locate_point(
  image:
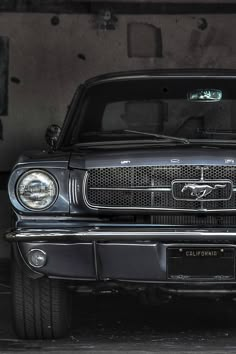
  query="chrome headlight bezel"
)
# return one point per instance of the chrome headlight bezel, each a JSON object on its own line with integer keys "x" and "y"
{"x": 27, "y": 173}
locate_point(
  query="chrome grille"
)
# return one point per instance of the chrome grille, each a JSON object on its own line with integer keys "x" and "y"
{"x": 140, "y": 176}
{"x": 147, "y": 187}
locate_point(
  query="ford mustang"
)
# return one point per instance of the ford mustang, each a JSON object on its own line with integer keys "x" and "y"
{"x": 137, "y": 191}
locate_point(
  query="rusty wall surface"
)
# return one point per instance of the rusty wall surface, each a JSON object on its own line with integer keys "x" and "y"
{"x": 51, "y": 55}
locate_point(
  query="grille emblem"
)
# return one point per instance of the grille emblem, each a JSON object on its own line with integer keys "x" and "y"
{"x": 201, "y": 191}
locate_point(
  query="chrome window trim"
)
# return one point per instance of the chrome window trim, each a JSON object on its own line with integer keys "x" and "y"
{"x": 161, "y": 76}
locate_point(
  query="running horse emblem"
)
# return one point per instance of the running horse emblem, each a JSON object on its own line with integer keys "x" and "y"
{"x": 201, "y": 190}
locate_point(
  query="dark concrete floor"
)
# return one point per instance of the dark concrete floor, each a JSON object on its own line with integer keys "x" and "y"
{"x": 112, "y": 324}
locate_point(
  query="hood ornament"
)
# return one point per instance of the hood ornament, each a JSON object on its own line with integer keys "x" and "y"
{"x": 199, "y": 191}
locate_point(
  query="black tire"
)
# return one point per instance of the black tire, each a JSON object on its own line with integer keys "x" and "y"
{"x": 40, "y": 306}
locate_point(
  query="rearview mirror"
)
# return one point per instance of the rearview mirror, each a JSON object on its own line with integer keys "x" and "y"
{"x": 205, "y": 95}
{"x": 52, "y": 134}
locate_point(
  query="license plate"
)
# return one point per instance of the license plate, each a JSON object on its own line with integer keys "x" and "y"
{"x": 200, "y": 263}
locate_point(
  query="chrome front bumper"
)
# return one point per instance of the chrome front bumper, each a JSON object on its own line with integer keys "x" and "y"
{"x": 116, "y": 254}
{"x": 123, "y": 234}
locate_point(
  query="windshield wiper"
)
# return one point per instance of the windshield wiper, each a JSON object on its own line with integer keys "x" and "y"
{"x": 159, "y": 136}
{"x": 216, "y": 132}
{"x": 115, "y": 133}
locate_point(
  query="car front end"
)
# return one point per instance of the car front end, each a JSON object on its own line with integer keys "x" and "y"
{"x": 119, "y": 207}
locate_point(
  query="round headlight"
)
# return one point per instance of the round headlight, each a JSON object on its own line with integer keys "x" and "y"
{"x": 37, "y": 190}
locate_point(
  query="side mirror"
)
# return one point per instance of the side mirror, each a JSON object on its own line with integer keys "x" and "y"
{"x": 52, "y": 134}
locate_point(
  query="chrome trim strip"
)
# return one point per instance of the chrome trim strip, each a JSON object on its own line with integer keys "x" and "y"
{"x": 42, "y": 164}
{"x": 134, "y": 189}
{"x": 154, "y": 77}
{"x": 70, "y": 191}
{"x": 199, "y": 291}
{"x": 58, "y": 217}
{"x": 73, "y": 191}
{"x": 153, "y": 244}
{"x": 76, "y": 191}
{"x": 50, "y": 234}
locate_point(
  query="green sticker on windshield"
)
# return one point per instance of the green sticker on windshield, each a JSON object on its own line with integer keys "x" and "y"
{"x": 205, "y": 95}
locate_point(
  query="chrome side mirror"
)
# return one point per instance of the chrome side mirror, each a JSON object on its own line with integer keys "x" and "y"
{"x": 52, "y": 134}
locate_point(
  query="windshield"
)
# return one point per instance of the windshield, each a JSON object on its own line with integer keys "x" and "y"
{"x": 191, "y": 108}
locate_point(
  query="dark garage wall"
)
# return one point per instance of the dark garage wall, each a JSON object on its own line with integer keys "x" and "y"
{"x": 50, "y": 56}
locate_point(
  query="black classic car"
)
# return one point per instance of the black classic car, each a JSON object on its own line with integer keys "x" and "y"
{"x": 136, "y": 193}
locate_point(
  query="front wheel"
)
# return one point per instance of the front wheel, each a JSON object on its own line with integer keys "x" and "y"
{"x": 40, "y": 306}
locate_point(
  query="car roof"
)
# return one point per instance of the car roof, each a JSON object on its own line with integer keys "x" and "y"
{"x": 141, "y": 74}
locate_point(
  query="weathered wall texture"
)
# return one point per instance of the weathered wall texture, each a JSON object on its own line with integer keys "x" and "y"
{"x": 48, "y": 61}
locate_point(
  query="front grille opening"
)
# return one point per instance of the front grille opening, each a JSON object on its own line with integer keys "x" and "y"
{"x": 175, "y": 220}
{"x": 194, "y": 220}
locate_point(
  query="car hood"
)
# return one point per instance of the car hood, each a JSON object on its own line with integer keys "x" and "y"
{"x": 44, "y": 158}
{"x": 157, "y": 156}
